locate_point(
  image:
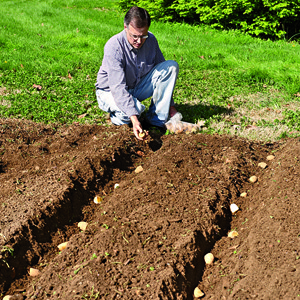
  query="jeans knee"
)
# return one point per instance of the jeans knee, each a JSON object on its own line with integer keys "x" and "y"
{"x": 119, "y": 118}
{"x": 173, "y": 65}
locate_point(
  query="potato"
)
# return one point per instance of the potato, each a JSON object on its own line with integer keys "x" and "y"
{"x": 198, "y": 293}
{"x": 190, "y": 127}
{"x": 184, "y": 126}
{"x": 142, "y": 134}
{"x": 233, "y": 234}
{"x": 253, "y": 179}
{"x": 234, "y": 208}
{"x": 139, "y": 169}
{"x": 170, "y": 127}
{"x": 97, "y": 199}
{"x": 82, "y": 225}
{"x": 62, "y": 246}
{"x": 270, "y": 157}
{"x": 13, "y": 297}
{"x": 178, "y": 131}
{"x": 34, "y": 272}
{"x": 209, "y": 258}
{"x": 263, "y": 165}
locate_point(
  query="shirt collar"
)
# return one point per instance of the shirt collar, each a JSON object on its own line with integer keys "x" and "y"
{"x": 126, "y": 41}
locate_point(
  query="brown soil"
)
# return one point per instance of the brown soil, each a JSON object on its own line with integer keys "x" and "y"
{"x": 148, "y": 237}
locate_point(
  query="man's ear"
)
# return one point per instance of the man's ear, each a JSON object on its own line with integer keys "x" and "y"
{"x": 125, "y": 26}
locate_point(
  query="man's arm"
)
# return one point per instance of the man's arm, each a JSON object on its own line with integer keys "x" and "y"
{"x": 117, "y": 73}
{"x": 122, "y": 97}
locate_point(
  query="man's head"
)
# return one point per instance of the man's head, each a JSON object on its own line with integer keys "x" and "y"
{"x": 136, "y": 23}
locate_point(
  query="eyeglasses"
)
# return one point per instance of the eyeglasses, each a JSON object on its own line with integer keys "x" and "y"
{"x": 136, "y": 37}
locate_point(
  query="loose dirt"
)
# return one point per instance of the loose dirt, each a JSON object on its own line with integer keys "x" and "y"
{"x": 148, "y": 237}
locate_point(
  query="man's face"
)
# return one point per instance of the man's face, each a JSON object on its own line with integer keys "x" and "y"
{"x": 136, "y": 36}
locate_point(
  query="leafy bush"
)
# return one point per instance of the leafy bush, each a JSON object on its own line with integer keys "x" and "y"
{"x": 261, "y": 18}
{"x": 158, "y": 9}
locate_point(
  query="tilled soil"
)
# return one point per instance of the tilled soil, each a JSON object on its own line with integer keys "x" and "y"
{"x": 148, "y": 236}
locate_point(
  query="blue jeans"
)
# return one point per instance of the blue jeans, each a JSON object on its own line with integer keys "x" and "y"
{"x": 158, "y": 83}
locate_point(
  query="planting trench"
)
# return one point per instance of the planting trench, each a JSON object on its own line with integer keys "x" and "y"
{"x": 147, "y": 238}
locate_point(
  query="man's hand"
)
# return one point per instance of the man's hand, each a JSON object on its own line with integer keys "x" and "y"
{"x": 137, "y": 128}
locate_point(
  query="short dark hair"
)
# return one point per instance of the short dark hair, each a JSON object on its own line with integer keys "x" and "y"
{"x": 139, "y": 16}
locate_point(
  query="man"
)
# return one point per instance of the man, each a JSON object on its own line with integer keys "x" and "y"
{"x": 134, "y": 69}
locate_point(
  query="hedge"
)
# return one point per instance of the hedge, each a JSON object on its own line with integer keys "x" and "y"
{"x": 274, "y": 19}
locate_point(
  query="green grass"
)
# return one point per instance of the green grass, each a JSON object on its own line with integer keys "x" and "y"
{"x": 237, "y": 84}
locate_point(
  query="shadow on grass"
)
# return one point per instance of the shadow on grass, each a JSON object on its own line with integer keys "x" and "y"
{"x": 194, "y": 112}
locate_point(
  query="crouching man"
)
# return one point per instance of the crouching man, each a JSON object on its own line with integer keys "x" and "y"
{"x": 134, "y": 69}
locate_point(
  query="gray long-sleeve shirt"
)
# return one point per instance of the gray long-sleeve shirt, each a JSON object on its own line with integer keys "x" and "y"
{"x": 123, "y": 67}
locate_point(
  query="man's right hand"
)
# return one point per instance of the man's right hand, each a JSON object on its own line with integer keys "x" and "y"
{"x": 137, "y": 128}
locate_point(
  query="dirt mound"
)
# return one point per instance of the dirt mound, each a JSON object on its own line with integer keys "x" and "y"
{"x": 148, "y": 236}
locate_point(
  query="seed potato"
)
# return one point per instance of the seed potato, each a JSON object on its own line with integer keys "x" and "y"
{"x": 263, "y": 165}
{"x": 233, "y": 234}
{"x": 62, "y": 246}
{"x": 14, "y": 297}
{"x": 34, "y": 272}
{"x": 253, "y": 179}
{"x": 198, "y": 293}
{"x": 82, "y": 225}
{"x": 234, "y": 208}
{"x": 142, "y": 134}
{"x": 139, "y": 169}
{"x": 209, "y": 258}
{"x": 97, "y": 199}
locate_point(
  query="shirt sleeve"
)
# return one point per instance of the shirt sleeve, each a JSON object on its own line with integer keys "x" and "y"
{"x": 117, "y": 81}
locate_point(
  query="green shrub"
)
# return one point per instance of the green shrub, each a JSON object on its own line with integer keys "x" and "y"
{"x": 158, "y": 9}
{"x": 262, "y": 18}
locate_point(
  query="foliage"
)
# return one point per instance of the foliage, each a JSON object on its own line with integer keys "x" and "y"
{"x": 262, "y": 18}
{"x": 159, "y": 9}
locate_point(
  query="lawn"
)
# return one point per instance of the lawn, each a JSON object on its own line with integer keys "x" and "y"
{"x": 51, "y": 52}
